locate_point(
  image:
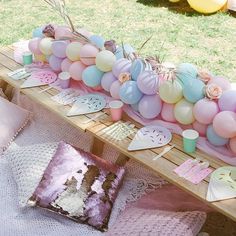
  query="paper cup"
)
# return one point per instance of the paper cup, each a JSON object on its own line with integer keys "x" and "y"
{"x": 64, "y": 78}
{"x": 27, "y": 58}
{"x": 116, "y": 109}
{"x": 190, "y": 137}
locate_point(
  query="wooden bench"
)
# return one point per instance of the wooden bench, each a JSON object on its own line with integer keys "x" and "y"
{"x": 163, "y": 166}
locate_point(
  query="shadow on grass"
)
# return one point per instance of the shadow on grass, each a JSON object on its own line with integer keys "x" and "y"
{"x": 181, "y": 7}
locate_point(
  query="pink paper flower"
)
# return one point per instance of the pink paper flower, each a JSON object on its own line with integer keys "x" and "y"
{"x": 213, "y": 91}
{"x": 204, "y": 76}
{"x": 123, "y": 77}
{"x": 49, "y": 31}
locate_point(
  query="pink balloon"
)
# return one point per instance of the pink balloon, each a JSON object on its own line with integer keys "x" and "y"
{"x": 62, "y": 32}
{"x": 107, "y": 80}
{"x": 88, "y": 54}
{"x": 232, "y": 144}
{"x": 120, "y": 66}
{"x": 34, "y": 45}
{"x": 65, "y": 65}
{"x": 227, "y": 101}
{"x": 150, "y": 106}
{"x": 167, "y": 112}
{"x": 76, "y": 69}
{"x": 115, "y": 89}
{"x": 59, "y": 48}
{"x": 224, "y": 124}
{"x": 55, "y": 63}
{"x": 200, "y": 128}
{"x": 205, "y": 110}
{"x": 222, "y": 82}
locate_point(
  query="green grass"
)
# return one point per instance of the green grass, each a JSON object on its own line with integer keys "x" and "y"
{"x": 178, "y": 33}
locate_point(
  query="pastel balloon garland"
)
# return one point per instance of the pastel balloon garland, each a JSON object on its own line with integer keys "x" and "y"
{"x": 181, "y": 95}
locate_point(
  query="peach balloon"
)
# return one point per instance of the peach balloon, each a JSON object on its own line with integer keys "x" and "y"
{"x": 88, "y": 54}
{"x": 76, "y": 69}
{"x": 224, "y": 124}
{"x": 221, "y": 81}
{"x": 167, "y": 112}
{"x": 62, "y": 32}
{"x": 232, "y": 144}
{"x": 65, "y": 65}
{"x": 200, "y": 128}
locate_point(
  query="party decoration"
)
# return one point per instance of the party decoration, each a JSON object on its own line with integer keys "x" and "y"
{"x": 105, "y": 60}
{"x": 34, "y": 45}
{"x": 213, "y": 91}
{"x": 150, "y": 106}
{"x": 121, "y": 65}
{"x": 184, "y": 112}
{"x": 138, "y": 66}
{"x": 124, "y": 76}
{"x": 200, "y": 128}
{"x": 97, "y": 40}
{"x": 205, "y": 110}
{"x": 55, "y": 63}
{"x": 45, "y": 46}
{"x": 232, "y": 144}
{"x": 148, "y": 82}
{"x": 65, "y": 65}
{"x": 38, "y": 32}
{"x": 87, "y": 104}
{"x": 204, "y": 76}
{"x": 227, "y": 101}
{"x": 186, "y": 72}
{"x": 88, "y": 54}
{"x": 92, "y": 76}
{"x": 115, "y": 89}
{"x": 120, "y": 52}
{"x": 193, "y": 90}
{"x": 107, "y": 80}
{"x": 150, "y": 137}
{"x": 167, "y": 112}
{"x": 214, "y": 138}
{"x": 40, "y": 58}
{"x": 49, "y": 31}
{"x": 129, "y": 92}
{"x": 76, "y": 69}
{"x": 224, "y": 124}
{"x": 110, "y": 45}
{"x": 59, "y": 48}
{"x": 171, "y": 91}
{"x": 63, "y": 32}
{"x": 222, "y": 184}
{"x": 73, "y": 51}
{"x": 207, "y": 7}
{"x": 221, "y": 81}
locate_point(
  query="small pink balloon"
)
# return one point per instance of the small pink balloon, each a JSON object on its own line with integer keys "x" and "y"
{"x": 232, "y": 144}
{"x": 34, "y": 45}
{"x": 115, "y": 89}
{"x": 120, "y": 66}
{"x": 221, "y": 81}
{"x": 55, "y": 63}
{"x": 167, "y": 112}
{"x": 76, "y": 69}
{"x": 88, "y": 54}
{"x": 59, "y": 48}
{"x": 65, "y": 65}
{"x": 224, "y": 124}
{"x": 200, "y": 128}
{"x": 227, "y": 101}
{"x": 107, "y": 80}
{"x": 205, "y": 110}
{"x": 62, "y": 32}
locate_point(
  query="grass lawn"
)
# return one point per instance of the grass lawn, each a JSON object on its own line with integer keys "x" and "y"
{"x": 178, "y": 33}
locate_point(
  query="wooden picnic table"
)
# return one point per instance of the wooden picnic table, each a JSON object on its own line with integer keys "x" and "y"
{"x": 163, "y": 166}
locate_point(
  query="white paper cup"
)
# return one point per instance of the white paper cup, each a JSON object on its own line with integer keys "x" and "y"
{"x": 64, "y": 78}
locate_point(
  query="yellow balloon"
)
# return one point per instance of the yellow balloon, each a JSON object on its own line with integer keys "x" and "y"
{"x": 105, "y": 60}
{"x": 40, "y": 57}
{"x": 72, "y": 51}
{"x": 184, "y": 112}
{"x": 45, "y": 46}
{"x": 207, "y": 6}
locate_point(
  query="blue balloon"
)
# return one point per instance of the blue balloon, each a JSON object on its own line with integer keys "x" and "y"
{"x": 129, "y": 92}
{"x": 193, "y": 90}
{"x": 97, "y": 40}
{"x": 119, "y": 53}
{"x": 92, "y": 76}
{"x": 138, "y": 66}
{"x": 186, "y": 72}
{"x": 214, "y": 138}
{"x": 38, "y": 32}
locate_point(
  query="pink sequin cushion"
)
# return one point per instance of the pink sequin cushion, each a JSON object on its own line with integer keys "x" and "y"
{"x": 12, "y": 120}
{"x": 80, "y": 186}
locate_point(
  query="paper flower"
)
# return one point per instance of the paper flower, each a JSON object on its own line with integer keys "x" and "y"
{"x": 204, "y": 76}
{"x": 213, "y": 91}
{"x": 123, "y": 77}
{"x": 110, "y": 45}
{"x": 49, "y": 31}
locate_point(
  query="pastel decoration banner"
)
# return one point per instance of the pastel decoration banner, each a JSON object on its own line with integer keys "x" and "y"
{"x": 87, "y": 104}
{"x": 150, "y": 137}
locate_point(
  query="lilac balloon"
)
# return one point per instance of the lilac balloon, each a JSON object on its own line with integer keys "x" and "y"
{"x": 150, "y": 106}
{"x": 121, "y": 65}
{"x": 227, "y": 101}
{"x": 59, "y": 48}
{"x": 148, "y": 82}
{"x": 115, "y": 89}
{"x": 55, "y": 63}
{"x": 107, "y": 80}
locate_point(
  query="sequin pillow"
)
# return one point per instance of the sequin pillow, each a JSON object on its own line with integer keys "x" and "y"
{"x": 80, "y": 186}
{"x": 12, "y": 120}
